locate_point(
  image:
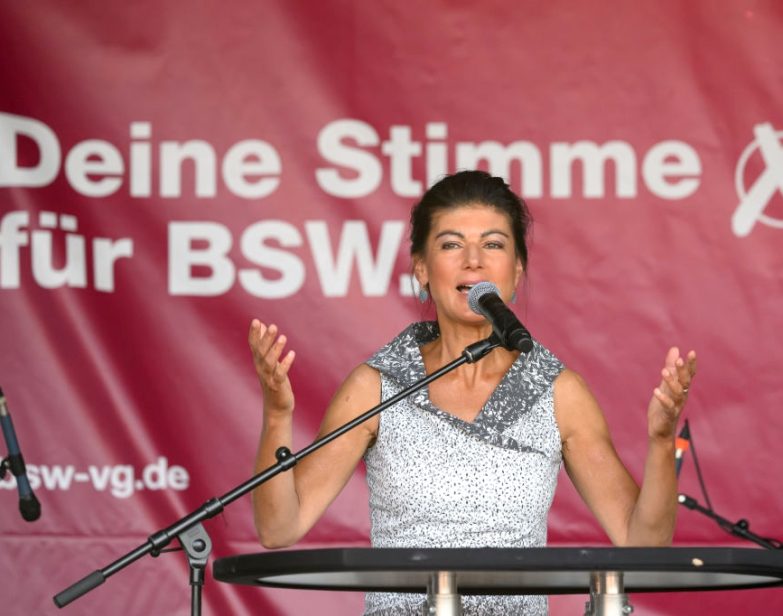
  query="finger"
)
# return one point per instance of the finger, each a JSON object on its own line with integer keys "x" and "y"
{"x": 671, "y": 385}
{"x": 262, "y": 343}
{"x": 683, "y": 375}
{"x": 266, "y": 339}
{"x": 282, "y": 367}
{"x": 686, "y": 370}
{"x": 270, "y": 359}
{"x": 666, "y": 401}
{"x": 276, "y": 350}
{"x": 256, "y": 334}
{"x": 257, "y": 330}
{"x": 691, "y": 360}
{"x": 671, "y": 358}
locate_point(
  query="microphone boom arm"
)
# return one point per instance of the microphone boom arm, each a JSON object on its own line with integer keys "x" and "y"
{"x": 285, "y": 461}
{"x": 741, "y": 528}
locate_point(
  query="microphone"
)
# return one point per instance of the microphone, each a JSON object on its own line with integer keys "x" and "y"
{"x": 29, "y": 506}
{"x": 682, "y": 444}
{"x": 484, "y": 299}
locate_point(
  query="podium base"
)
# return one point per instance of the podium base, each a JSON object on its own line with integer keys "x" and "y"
{"x": 607, "y": 595}
{"x": 442, "y": 596}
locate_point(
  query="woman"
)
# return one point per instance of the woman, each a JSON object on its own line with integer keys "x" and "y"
{"x": 472, "y": 461}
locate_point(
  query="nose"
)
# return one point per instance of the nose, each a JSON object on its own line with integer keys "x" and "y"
{"x": 472, "y": 257}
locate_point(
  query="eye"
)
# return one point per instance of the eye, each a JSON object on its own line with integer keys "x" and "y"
{"x": 495, "y": 245}
{"x": 449, "y": 245}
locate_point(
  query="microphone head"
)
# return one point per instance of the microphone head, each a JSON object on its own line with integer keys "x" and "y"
{"x": 30, "y": 508}
{"x": 478, "y": 290}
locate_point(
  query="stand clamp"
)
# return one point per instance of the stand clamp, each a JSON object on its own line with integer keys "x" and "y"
{"x": 607, "y": 595}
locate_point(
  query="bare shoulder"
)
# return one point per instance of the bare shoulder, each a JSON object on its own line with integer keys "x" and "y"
{"x": 569, "y": 382}
{"x": 364, "y": 376}
{"x": 359, "y": 392}
{"x": 361, "y": 386}
{"x": 570, "y": 390}
{"x": 576, "y": 408}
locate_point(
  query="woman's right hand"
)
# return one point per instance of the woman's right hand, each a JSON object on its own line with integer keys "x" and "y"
{"x": 267, "y": 347}
{"x": 288, "y": 505}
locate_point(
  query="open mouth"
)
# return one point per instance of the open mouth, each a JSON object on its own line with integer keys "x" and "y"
{"x": 465, "y": 288}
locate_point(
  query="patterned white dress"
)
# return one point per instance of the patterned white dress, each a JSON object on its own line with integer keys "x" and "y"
{"x": 437, "y": 481}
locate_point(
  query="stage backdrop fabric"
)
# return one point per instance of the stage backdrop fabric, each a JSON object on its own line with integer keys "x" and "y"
{"x": 168, "y": 171}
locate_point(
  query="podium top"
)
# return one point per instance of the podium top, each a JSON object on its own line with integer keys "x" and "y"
{"x": 506, "y": 570}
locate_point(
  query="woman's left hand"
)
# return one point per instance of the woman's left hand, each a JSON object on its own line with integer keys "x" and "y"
{"x": 670, "y": 396}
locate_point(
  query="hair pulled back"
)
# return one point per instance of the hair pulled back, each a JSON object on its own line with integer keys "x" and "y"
{"x": 470, "y": 188}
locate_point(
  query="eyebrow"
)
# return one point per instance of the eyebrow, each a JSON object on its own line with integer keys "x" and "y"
{"x": 462, "y": 235}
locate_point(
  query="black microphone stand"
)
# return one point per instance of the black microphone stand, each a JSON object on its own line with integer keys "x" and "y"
{"x": 189, "y": 530}
{"x": 740, "y": 528}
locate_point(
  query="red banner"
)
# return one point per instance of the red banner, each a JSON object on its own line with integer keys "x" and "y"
{"x": 167, "y": 173}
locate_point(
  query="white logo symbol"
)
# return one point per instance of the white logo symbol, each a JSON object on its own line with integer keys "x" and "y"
{"x": 754, "y": 200}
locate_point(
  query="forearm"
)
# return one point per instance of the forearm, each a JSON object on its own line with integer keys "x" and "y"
{"x": 653, "y": 517}
{"x": 276, "y": 504}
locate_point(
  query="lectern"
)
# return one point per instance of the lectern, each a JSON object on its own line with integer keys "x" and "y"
{"x": 607, "y": 574}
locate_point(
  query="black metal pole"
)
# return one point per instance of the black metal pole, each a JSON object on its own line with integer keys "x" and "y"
{"x": 286, "y": 460}
{"x": 741, "y": 528}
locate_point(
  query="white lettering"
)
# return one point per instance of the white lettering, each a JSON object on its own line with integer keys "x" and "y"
{"x": 72, "y": 274}
{"x": 99, "y": 476}
{"x": 154, "y": 475}
{"x": 55, "y": 477}
{"x": 367, "y": 169}
{"x": 593, "y": 158}
{"x": 11, "y": 173}
{"x": 437, "y": 155}
{"x": 354, "y": 246}
{"x": 499, "y": 159}
{"x": 94, "y": 157}
{"x": 120, "y": 480}
{"x": 122, "y": 483}
{"x": 672, "y": 159}
{"x": 11, "y": 239}
{"x": 173, "y": 154}
{"x": 105, "y": 254}
{"x": 251, "y": 158}
{"x": 178, "y": 477}
{"x": 400, "y": 150}
{"x": 353, "y": 151}
{"x": 140, "y": 160}
{"x": 183, "y": 257}
{"x": 255, "y": 250}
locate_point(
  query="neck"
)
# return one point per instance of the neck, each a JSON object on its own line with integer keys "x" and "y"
{"x": 452, "y": 341}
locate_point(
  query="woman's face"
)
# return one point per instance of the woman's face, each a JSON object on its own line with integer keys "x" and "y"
{"x": 466, "y": 245}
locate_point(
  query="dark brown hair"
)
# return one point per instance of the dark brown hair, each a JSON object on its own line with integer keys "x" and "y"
{"x": 468, "y": 188}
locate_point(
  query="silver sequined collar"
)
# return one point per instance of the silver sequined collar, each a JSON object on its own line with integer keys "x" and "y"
{"x": 527, "y": 379}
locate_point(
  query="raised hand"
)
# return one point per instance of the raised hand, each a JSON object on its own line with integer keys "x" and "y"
{"x": 669, "y": 397}
{"x": 267, "y": 348}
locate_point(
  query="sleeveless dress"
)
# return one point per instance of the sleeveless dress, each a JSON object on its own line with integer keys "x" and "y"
{"x": 436, "y": 481}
